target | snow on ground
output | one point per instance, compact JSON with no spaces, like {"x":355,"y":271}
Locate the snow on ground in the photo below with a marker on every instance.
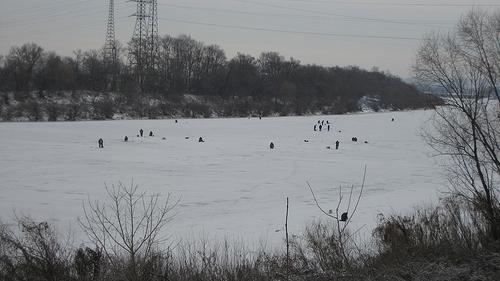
{"x":232,"y":185}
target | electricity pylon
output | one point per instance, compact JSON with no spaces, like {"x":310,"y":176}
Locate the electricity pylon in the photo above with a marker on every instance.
{"x":110,"y":49}
{"x":138,"y":49}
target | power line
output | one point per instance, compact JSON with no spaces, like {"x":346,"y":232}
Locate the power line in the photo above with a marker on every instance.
{"x":336,"y":15}
{"x":283,"y":15}
{"x":289,"y":31}
{"x":50,"y":17}
{"x":399,"y":4}
{"x":26,"y":12}
{"x":274,"y":15}
{"x":54,"y":14}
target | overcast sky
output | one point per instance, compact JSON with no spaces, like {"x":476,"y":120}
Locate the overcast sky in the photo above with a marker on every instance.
{"x":367,"y":33}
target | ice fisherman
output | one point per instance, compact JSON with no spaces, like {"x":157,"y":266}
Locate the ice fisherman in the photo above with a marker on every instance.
{"x":125,"y":139}
{"x":315,"y":127}
{"x":151,"y":134}
{"x":337,"y":144}
{"x":201,"y":139}
{"x":141,"y":132}
{"x":320,"y":127}
{"x":271,"y":145}
{"x":328,"y":127}
{"x":101,"y":143}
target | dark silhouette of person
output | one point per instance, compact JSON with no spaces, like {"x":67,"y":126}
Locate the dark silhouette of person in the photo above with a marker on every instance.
{"x":328,"y":127}
{"x":201,"y":139}
{"x":151,"y":134}
{"x":101,"y":143}
{"x":354,"y":139}
{"x":175,"y":120}
{"x":271,"y":145}
{"x":322,"y":122}
{"x":125,"y":139}
{"x":320,"y":127}
{"x":141,"y":132}
{"x":260,"y":117}
{"x":392,"y":120}
{"x":337,"y":144}
{"x":327,"y":122}
{"x":315,"y":127}
{"x":319,"y":122}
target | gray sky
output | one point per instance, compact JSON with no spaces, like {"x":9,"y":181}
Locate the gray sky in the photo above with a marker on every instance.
{"x":367,"y":33}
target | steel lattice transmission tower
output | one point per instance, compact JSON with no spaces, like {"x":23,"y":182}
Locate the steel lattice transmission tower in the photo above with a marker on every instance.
{"x":138,"y":44}
{"x":153,"y":44}
{"x":144,"y":46}
{"x":110,"y":44}
{"x":110,"y":48}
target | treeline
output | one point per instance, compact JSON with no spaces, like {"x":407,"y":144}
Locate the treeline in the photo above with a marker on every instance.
{"x":241,"y":86}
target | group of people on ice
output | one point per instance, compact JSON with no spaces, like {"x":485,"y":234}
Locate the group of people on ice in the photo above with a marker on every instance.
{"x":100,"y":142}
{"x":141,"y":133}
{"x":321,"y":124}
{"x":318,"y":126}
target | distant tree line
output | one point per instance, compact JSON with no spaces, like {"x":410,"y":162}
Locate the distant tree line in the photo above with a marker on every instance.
{"x":241,"y":86}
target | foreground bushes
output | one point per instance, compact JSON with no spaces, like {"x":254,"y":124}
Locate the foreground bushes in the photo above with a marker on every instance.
{"x":448,"y":242}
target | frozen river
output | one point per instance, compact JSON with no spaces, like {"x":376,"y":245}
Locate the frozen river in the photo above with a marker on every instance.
{"x":232,"y":185}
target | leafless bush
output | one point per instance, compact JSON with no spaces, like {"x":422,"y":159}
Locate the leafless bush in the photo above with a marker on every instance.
{"x":341,"y":244}
{"x":129,"y":225}
{"x":454,"y":228}
{"x":33,"y":251}
{"x":53,"y":111}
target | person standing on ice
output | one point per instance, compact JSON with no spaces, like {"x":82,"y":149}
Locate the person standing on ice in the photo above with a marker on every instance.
{"x":337,"y":144}
{"x":101,"y":143}
{"x":141,"y":132}
{"x":315,"y":127}
{"x":320,"y":127}
{"x":328,"y":127}
{"x":271,"y":145}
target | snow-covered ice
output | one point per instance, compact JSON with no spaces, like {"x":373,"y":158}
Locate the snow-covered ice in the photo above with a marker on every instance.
{"x":232,"y":185}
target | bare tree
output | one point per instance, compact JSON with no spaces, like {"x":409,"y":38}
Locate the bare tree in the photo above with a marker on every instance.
{"x":342,"y":218}
{"x":465,"y":66}
{"x":129,"y":222}
{"x":21,"y":62}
